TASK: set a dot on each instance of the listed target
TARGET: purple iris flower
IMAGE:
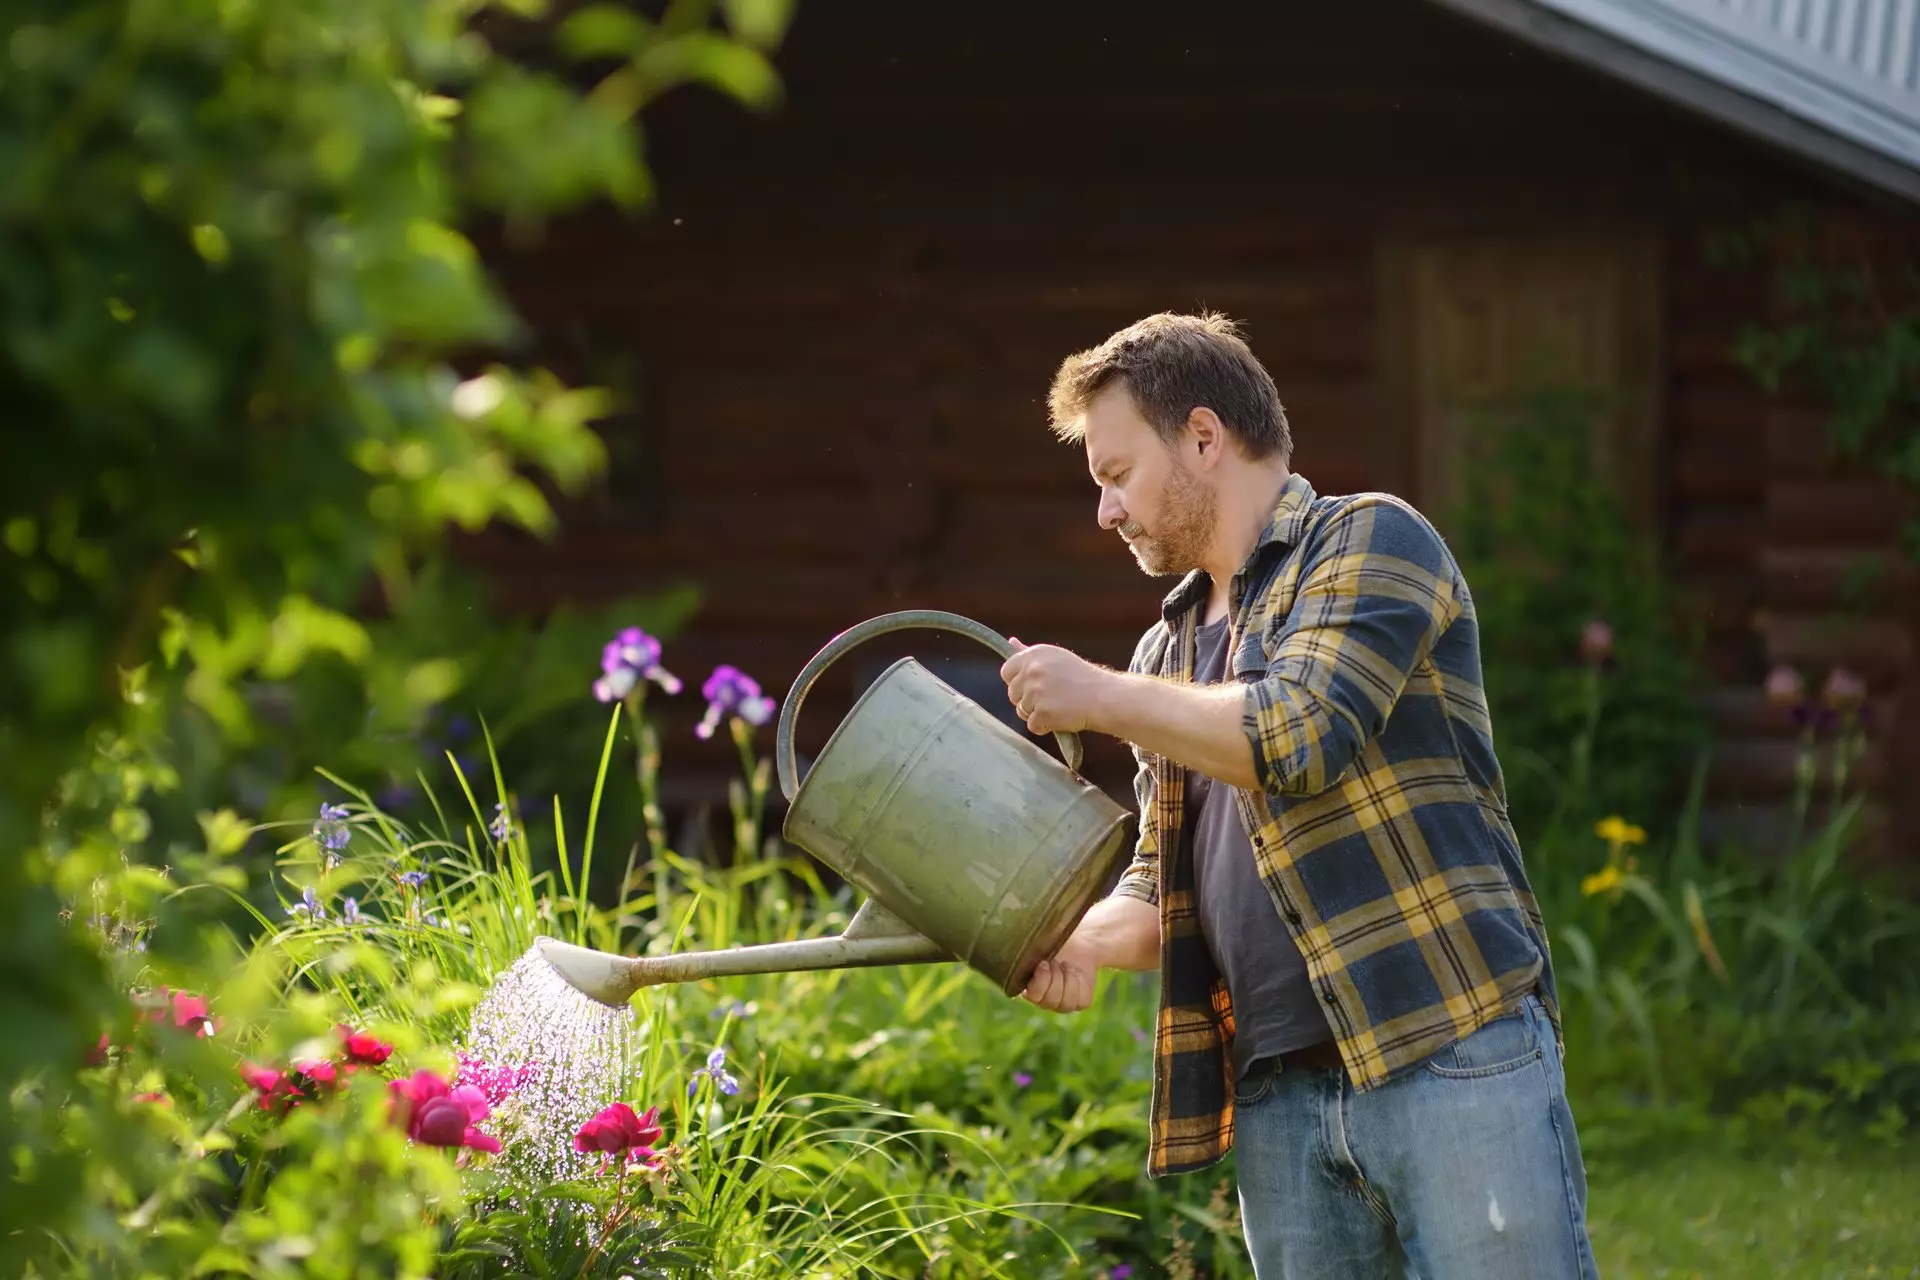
(629, 658)
(1121, 1272)
(502, 824)
(729, 691)
(413, 879)
(350, 912)
(715, 1070)
(308, 906)
(331, 832)
(1021, 1079)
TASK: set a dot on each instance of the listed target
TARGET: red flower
(184, 1011)
(439, 1115)
(264, 1079)
(616, 1129)
(363, 1049)
(97, 1056)
(155, 1097)
(312, 1079)
(282, 1090)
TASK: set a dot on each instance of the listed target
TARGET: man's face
(1148, 493)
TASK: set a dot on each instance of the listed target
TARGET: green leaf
(727, 65)
(604, 31)
(761, 23)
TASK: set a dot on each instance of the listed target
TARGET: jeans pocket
(1255, 1085)
(1506, 1044)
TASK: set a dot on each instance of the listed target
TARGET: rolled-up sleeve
(1142, 878)
(1374, 596)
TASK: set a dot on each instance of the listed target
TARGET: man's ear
(1209, 436)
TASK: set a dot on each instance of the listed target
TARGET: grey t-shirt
(1274, 1008)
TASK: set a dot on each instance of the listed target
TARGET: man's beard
(1184, 529)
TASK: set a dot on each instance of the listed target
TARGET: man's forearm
(1121, 932)
(1201, 727)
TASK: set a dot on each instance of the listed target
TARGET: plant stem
(646, 764)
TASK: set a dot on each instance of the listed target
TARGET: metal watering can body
(971, 842)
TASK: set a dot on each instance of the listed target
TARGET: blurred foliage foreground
(234, 303)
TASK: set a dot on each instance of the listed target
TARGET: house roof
(1834, 80)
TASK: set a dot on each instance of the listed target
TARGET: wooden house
(836, 326)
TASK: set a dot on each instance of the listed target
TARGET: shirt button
(1329, 997)
(1293, 917)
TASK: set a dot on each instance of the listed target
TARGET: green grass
(1711, 1212)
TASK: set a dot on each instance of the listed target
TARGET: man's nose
(1112, 514)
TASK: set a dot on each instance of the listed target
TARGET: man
(1356, 995)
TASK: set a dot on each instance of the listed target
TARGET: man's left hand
(1053, 689)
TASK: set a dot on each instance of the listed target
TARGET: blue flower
(629, 658)
(331, 832)
(350, 912)
(738, 1008)
(729, 691)
(715, 1070)
(413, 879)
(308, 906)
(502, 824)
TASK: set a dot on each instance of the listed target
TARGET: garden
(285, 804)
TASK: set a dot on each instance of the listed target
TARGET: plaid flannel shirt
(1380, 826)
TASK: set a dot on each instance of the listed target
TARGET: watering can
(971, 843)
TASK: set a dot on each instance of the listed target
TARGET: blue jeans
(1465, 1167)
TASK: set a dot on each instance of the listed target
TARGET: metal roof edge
(1774, 93)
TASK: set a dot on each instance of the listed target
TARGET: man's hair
(1172, 364)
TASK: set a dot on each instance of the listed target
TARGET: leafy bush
(1581, 638)
(255, 363)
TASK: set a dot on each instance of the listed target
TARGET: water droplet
(579, 1056)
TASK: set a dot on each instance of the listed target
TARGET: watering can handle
(906, 619)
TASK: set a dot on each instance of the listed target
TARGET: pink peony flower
(441, 1115)
(362, 1049)
(184, 1011)
(617, 1129)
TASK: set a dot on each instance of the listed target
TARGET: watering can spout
(873, 937)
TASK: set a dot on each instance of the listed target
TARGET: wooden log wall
(851, 309)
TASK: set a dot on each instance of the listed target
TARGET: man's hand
(1054, 689)
(1118, 932)
(1064, 984)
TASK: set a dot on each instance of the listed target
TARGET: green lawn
(1711, 1214)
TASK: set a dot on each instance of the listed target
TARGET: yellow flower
(1617, 831)
(1606, 880)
